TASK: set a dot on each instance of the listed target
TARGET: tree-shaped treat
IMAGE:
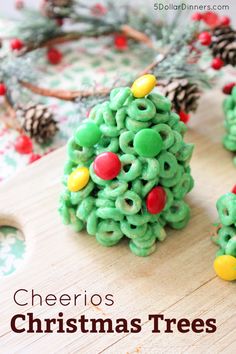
(225, 262)
(128, 170)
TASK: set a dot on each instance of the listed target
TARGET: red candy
(211, 18)
(234, 189)
(227, 89)
(16, 44)
(204, 38)
(107, 165)
(23, 145)
(156, 200)
(184, 117)
(217, 63)
(120, 42)
(54, 56)
(225, 21)
(3, 89)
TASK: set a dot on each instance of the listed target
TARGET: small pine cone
(54, 8)
(223, 44)
(37, 121)
(183, 94)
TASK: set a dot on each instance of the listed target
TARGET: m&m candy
(148, 143)
(107, 165)
(156, 200)
(225, 267)
(78, 179)
(88, 134)
(143, 85)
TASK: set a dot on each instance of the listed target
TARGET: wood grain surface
(177, 280)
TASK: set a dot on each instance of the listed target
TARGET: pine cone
(223, 44)
(37, 121)
(54, 8)
(183, 94)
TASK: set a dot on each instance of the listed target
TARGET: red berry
(98, 10)
(184, 117)
(23, 144)
(217, 63)
(234, 189)
(16, 44)
(59, 22)
(211, 18)
(54, 56)
(196, 16)
(107, 165)
(227, 89)
(156, 200)
(3, 89)
(205, 38)
(34, 157)
(120, 42)
(225, 21)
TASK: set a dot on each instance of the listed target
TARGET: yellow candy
(143, 85)
(78, 179)
(225, 267)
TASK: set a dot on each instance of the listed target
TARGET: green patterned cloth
(86, 63)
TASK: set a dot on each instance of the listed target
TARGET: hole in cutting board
(12, 249)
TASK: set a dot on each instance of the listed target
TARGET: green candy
(147, 143)
(88, 134)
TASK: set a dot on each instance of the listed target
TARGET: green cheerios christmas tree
(128, 170)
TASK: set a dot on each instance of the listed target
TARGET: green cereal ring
(226, 206)
(108, 144)
(126, 142)
(129, 203)
(131, 168)
(162, 117)
(166, 134)
(162, 103)
(185, 153)
(77, 153)
(224, 235)
(181, 224)
(118, 96)
(109, 213)
(115, 189)
(159, 232)
(143, 187)
(177, 212)
(97, 117)
(150, 167)
(228, 103)
(170, 182)
(64, 212)
(94, 110)
(180, 127)
(135, 126)
(120, 118)
(168, 164)
(76, 223)
(146, 240)
(92, 223)
(108, 233)
(108, 115)
(65, 197)
(141, 252)
(77, 197)
(169, 198)
(162, 221)
(178, 142)
(220, 252)
(141, 109)
(231, 247)
(101, 202)
(182, 187)
(85, 208)
(138, 219)
(132, 231)
(110, 131)
(229, 144)
(95, 178)
(69, 167)
(174, 119)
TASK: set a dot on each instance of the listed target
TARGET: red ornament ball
(184, 117)
(34, 157)
(16, 44)
(217, 63)
(204, 38)
(196, 16)
(54, 56)
(156, 200)
(120, 42)
(107, 165)
(3, 89)
(234, 189)
(211, 18)
(23, 144)
(225, 21)
(227, 89)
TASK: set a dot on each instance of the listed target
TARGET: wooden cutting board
(177, 281)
